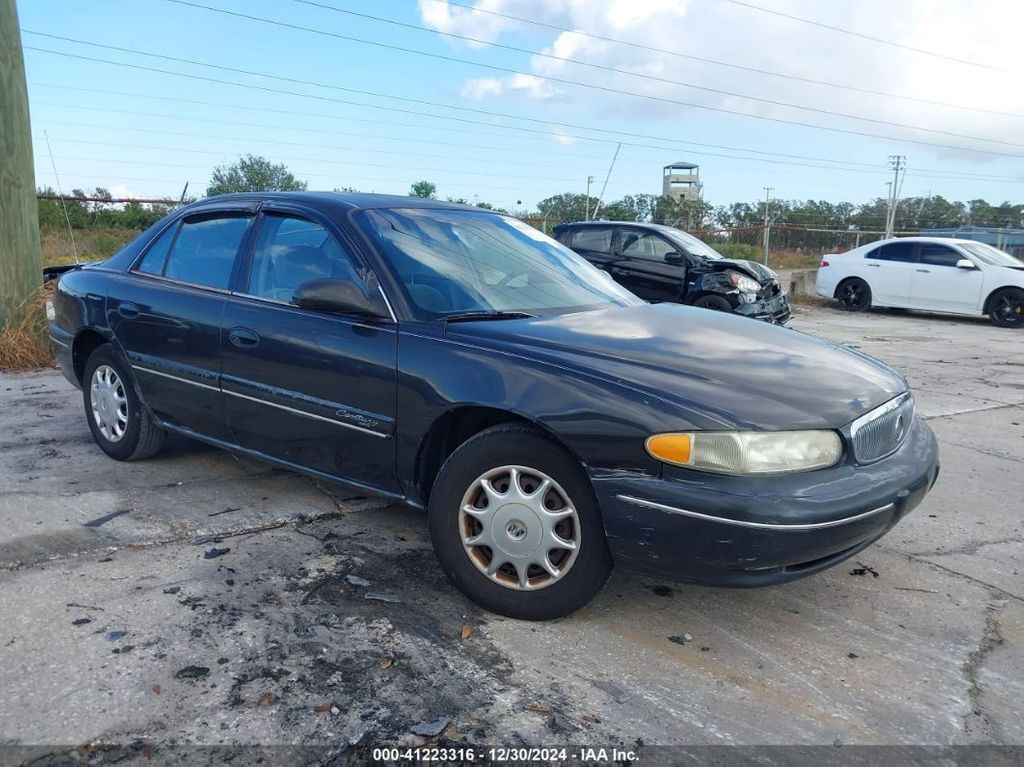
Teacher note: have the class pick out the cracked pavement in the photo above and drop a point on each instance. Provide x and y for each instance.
(329, 621)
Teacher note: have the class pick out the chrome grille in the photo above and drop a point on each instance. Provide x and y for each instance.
(880, 432)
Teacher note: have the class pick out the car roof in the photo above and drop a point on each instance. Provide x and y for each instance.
(335, 201)
(634, 224)
(937, 240)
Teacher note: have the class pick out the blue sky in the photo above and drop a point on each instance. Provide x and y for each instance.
(144, 133)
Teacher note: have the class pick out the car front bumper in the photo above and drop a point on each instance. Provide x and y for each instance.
(775, 309)
(745, 531)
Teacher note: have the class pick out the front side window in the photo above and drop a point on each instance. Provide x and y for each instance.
(597, 239)
(894, 251)
(645, 245)
(291, 251)
(938, 255)
(453, 261)
(205, 249)
(694, 246)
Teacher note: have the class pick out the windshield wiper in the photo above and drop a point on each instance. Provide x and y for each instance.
(485, 315)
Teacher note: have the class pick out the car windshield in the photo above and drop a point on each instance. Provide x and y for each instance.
(991, 256)
(694, 246)
(457, 261)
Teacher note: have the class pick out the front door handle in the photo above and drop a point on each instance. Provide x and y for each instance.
(875, 266)
(925, 271)
(128, 310)
(243, 338)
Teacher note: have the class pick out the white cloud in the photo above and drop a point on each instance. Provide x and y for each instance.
(532, 86)
(564, 138)
(966, 29)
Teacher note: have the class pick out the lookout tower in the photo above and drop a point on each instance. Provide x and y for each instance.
(681, 181)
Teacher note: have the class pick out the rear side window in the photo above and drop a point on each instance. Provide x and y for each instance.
(205, 249)
(938, 255)
(156, 257)
(593, 238)
(894, 251)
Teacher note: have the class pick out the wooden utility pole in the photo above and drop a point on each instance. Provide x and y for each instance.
(20, 265)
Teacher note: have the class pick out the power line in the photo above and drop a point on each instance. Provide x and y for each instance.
(609, 89)
(335, 177)
(936, 173)
(861, 35)
(318, 160)
(869, 169)
(664, 51)
(448, 128)
(235, 139)
(418, 101)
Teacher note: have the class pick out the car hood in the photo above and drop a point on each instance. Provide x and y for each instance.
(759, 272)
(711, 369)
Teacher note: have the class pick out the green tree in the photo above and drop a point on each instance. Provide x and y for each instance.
(566, 207)
(425, 189)
(253, 173)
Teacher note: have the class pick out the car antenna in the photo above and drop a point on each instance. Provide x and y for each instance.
(604, 186)
(63, 202)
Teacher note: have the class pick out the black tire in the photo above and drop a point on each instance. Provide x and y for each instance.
(854, 295)
(524, 446)
(715, 303)
(141, 437)
(1006, 308)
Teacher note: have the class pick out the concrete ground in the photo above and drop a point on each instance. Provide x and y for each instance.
(202, 598)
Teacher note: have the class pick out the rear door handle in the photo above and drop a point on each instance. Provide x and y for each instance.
(243, 338)
(127, 310)
(925, 271)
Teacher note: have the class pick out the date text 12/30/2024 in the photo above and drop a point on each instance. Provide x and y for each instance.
(499, 754)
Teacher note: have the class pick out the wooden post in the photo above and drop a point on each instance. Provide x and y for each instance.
(20, 264)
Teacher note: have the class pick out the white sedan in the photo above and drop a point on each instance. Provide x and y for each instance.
(934, 274)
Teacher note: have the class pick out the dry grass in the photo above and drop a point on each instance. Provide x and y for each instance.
(92, 244)
(793, 259)
(24, 344)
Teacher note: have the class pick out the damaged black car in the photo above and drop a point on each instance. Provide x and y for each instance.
(659, 263)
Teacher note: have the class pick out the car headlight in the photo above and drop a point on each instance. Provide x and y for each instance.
(743, 283)
(748, 452)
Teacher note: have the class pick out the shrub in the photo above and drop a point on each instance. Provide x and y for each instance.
(738, 250)
(23, 344)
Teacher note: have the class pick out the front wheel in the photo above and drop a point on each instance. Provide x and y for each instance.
(121, 426)
(1006, 308)
(854, 295)
(515, 524)
(715, 303)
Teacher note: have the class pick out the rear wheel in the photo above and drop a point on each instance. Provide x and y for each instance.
(1006, 309)
(515, 524)
(854, 295)
(715, 303)
(121, 426)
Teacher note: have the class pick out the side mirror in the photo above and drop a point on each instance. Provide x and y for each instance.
(965, 263)
(673, 258)
(337, 296)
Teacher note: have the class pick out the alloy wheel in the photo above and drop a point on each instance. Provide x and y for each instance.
(852, 295)
(109, 403)
(519, 528)
(1009, 308)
